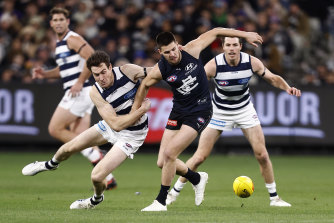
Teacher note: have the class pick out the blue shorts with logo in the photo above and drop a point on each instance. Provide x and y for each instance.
(196, 120)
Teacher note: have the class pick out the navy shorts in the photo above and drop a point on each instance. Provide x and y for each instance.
(197, 121)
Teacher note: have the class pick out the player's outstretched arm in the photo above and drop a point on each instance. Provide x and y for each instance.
(135, 72)
(196, 46)
(107, 112)
(40, 73)
(273, 79)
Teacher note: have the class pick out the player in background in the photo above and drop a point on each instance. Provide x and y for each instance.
(192, 108)
(73, 114)
(113, 95)
(232, 107)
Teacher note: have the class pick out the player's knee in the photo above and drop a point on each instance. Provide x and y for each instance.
(199, 159)
(169, 155)
(96, 176)
(160, 163)
(262, 157)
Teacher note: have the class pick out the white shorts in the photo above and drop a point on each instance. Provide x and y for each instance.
(128, 141)
(246, 118)
(80, 105)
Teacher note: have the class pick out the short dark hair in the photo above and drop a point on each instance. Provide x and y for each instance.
(164, 39)
(57, 10)
(97, 58)
(223, 39)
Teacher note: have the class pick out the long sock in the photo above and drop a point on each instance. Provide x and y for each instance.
(161, 198)
(178, 186)
(193, 177)
(51, 164)
(272, 190)
(91, 154)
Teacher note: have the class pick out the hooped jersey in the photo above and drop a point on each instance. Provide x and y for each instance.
(121, 96)
(232, 88)
(188, 82)
(70, 63)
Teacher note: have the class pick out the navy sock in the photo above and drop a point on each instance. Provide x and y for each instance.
(162, 196)
(192, 176)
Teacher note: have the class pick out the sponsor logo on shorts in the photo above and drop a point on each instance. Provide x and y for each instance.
(127, 146)
(218, 123)
(200, 120)
(255, 117)
(172, 78)
(172, 122)
(101, 126)
(223, 83)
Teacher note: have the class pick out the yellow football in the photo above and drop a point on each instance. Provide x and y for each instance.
(243, 186)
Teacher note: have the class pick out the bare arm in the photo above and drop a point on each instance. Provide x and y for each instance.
(210, 68)
(196, 46)
(154, 76)
(135, 72)
(79, 45)
(107, 112)
(40, 73)
(273, 79)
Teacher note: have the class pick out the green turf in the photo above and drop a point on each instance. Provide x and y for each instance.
(306, 182)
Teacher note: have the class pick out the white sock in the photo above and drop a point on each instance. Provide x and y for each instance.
(109, 177)
(52, 163)
(97, 198)
(92, 154)
(272, 190)
(178, 186)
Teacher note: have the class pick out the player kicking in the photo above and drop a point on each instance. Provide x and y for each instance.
(113, 95)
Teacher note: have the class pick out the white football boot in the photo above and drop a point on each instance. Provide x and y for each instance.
(171, 197)
(85, 203)
(200, 188)
(35, 168)
(278, 202)
(155, 206)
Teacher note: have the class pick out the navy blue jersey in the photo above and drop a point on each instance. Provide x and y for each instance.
(188, 82)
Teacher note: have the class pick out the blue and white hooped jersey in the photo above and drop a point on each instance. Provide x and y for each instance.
(232, 89)
(70, 62)
(121, 96)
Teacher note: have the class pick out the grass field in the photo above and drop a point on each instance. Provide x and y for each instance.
(306, 182)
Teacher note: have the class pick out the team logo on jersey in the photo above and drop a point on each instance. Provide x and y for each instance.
(243, 80)
(172, 122)
(130, 94)
(64, 54)
(200, 120)
(101, 126)
(189, 66)
(172, 78)
(223, 83)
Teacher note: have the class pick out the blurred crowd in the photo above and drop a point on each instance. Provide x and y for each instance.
(298, 35)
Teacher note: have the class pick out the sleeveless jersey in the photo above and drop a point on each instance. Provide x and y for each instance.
(232, 89)
(188, 82)
(69, 62)
(121, 96)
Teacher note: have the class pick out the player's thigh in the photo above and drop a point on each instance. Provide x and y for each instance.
(61, 118)
(208, 138)
(89, 138)
(114, 158)
(166, 138)
(181, 140)
(255, 137)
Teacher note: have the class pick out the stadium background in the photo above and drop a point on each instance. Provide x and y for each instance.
(298, 44)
